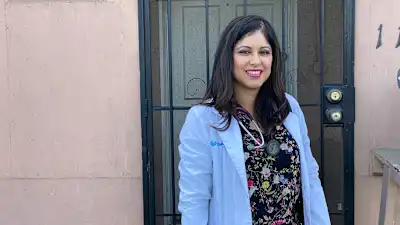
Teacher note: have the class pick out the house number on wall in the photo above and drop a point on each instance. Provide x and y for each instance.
(398, 78)
(379, 43)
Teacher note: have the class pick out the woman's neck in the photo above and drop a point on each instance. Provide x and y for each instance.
(246, 98)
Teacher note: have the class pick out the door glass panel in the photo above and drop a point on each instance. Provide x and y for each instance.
(308, 57)
(159, 49)
(334, 168)
(162, 162)
(333, 46)
(313, 121)
(166, 160)
(188, 44)
(337, 219)
(180, 116)
(186, 57)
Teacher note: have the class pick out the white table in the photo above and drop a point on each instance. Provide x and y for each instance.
(390, 158)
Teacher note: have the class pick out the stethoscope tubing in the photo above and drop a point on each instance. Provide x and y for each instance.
(260, 145)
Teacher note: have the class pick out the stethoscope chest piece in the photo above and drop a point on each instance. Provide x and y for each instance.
(273, 147)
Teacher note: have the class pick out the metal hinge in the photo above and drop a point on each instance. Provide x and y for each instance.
(148, 165)
(146, 108)
(146, 153)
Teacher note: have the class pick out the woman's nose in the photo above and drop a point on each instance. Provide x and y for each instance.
(255, 59)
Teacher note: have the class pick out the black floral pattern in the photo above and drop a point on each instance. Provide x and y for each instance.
(274, 181)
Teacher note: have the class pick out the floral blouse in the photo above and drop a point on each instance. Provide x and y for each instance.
(273, 179)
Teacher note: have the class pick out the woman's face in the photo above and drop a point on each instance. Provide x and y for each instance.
(252, 59)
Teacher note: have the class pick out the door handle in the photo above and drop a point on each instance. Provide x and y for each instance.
(334, 115)
(334, 95)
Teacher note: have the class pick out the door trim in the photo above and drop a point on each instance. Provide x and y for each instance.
(348, 139)
(146, 112)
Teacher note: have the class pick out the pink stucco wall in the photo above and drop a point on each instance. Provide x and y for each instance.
(70, 149)
(377, 102)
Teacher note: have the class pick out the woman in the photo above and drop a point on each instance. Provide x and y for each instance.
(245, 153)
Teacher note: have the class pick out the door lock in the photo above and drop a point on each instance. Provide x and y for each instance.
(338, 104)
(334, 95)
(334, 115)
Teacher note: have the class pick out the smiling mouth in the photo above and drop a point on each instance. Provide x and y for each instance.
(254, 73)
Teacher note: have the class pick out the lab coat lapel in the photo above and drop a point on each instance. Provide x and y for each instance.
(292, 124)
(232, 139)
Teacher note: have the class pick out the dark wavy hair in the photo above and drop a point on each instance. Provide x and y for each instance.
(271, 106)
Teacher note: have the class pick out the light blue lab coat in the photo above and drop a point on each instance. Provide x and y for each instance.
(213, 184)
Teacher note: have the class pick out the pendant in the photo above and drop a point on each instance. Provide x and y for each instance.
(273, 147)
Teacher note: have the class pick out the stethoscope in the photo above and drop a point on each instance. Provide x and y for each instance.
(272, 147)
(241, 110)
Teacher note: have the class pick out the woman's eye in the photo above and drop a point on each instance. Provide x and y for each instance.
(265, 52)
(244, 52)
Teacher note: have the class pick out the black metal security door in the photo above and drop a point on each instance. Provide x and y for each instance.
(177, 42)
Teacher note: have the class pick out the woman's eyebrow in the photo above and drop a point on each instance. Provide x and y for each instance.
(267, 47)
(248, 47)
(242, 46)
